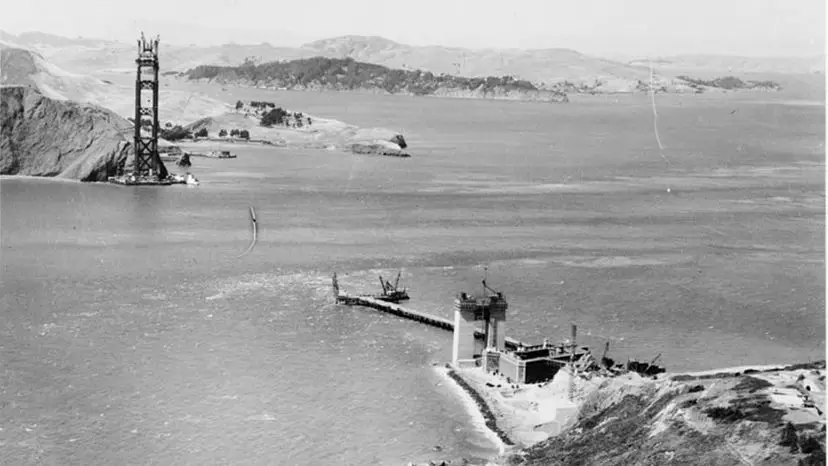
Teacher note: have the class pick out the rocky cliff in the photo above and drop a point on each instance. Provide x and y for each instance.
(40, 136)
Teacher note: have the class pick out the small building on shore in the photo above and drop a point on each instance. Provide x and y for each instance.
(531, 364)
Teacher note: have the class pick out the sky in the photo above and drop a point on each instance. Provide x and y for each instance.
(601, 27)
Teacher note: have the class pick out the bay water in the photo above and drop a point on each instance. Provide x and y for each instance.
(133, 333)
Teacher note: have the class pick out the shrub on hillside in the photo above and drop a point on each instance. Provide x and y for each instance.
(262, 105)
(175, 133)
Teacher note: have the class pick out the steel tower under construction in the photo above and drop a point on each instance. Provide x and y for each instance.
(147, 161)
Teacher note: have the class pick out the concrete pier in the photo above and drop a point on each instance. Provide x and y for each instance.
(412, 314)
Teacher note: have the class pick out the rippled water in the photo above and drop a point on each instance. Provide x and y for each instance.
(132, 334)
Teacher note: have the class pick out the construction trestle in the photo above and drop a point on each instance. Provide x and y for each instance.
(418, 316)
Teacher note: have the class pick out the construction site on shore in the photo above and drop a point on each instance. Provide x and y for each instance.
(484, 317)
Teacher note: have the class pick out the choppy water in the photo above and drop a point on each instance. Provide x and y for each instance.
(132, 335)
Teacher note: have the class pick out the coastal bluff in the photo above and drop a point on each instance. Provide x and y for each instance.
(40, 136)
(761, 416)
(771, 415)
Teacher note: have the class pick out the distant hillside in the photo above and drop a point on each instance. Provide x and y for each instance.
(543, 67)
(91, 56)
(24, 67)
(733, 64)
(557, 69)
(42, 38)
(350, 75)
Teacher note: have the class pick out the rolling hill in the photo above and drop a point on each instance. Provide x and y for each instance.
(545, 68)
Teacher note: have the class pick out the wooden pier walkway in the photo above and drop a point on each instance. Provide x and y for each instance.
(418, 316)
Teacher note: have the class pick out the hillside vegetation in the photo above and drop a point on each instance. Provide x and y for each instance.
(733, 83)
(349, 74)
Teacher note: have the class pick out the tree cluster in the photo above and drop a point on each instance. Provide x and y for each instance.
(731, 82)
(346, 73)
(281, 117)
(236, 133)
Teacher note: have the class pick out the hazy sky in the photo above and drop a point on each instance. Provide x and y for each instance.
(633, 27)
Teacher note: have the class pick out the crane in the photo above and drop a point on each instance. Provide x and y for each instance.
(392, 293)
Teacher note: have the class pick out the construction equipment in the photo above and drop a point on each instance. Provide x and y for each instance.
(646, 368)
(607, 362)
(491, 292)
(392, 293)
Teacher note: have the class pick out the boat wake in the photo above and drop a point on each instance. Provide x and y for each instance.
(255, 234)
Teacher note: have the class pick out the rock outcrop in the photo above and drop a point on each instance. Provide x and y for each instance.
(377, 148)
(40, 136)
(377, 141)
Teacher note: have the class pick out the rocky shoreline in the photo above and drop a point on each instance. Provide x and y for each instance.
(488, 415)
